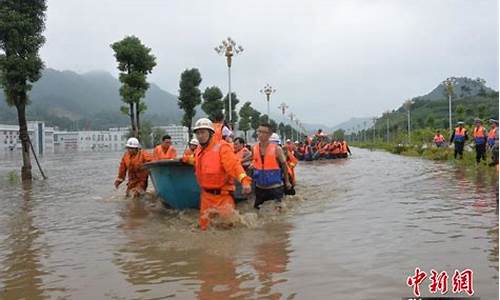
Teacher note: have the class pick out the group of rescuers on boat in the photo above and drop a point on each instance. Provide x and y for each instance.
(218, 161)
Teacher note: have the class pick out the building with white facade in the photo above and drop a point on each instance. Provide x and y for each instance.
(96, 140)
(41, 137)
(45, 140)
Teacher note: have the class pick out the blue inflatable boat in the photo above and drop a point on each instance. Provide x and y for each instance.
(175, 183)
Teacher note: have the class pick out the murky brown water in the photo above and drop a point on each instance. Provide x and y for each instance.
(356, 231)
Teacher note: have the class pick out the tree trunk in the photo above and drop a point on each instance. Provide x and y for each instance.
(138, 124)
(23, 135)
(132, 120)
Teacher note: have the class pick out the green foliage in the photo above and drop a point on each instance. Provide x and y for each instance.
(338, 134)
(189, 95)
(281, 130)
(264, 119)
(460, 111)
(21, 27)
(288, 131)
(158, 133)
(245, 117)
(135, 61)
(12, 177)
(212, 103)
(274, 125)
(430, 121)
(255, 119)
(434, 114)
(234, 102)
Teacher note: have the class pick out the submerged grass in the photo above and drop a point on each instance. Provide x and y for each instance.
(444, 154)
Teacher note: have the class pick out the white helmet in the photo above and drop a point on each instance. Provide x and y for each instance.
(275, 138)
(132, 143)
(203, 123)
(194, 142)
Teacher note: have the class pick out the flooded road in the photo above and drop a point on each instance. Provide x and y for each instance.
(356, 230)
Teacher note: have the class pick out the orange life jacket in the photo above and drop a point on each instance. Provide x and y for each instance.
(492, 136)
(188, 157)
(438, 138)
(267, 172)
(159, 153)
(208, 167)
(344, 148)
(460, 134)
(479, 136)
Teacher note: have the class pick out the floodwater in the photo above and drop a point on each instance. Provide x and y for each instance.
(356, 230)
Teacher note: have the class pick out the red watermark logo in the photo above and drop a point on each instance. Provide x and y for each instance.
(460, 282)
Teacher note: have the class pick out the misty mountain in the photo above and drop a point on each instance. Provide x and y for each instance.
(92, 100)
(462, 87)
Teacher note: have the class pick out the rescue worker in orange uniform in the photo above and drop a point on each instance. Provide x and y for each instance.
(459, 136)
(242, 152)
(291, 162)
(215, 165)
(480, 139)
(492, 133)
(133, 163)
(269, 168)
(165, 150)
(188, 157)
(493, 141)
(438, 139)
(344, 149)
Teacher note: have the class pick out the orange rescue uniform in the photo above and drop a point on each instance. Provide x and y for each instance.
(188, 157)
(215, 165)
(137, 174)
(159, 153)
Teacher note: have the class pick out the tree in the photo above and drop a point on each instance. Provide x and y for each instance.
(158, 133)
(430, 122)
(339, 134)
(135, 62)
(234, 102)
(288, 131)
(189, 96)
(281, 130)
(460, 110)
(274, 125)
(245, 117)
(264, 119)
(21, 27)
(254, 122)
(212, 103)
(481, 111)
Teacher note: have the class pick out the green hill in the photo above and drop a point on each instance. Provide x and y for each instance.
(432, 112)
(70, 101)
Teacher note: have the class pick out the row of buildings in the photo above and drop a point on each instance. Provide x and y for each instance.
(48, 140)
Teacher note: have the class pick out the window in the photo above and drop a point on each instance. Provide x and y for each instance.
(116, 138)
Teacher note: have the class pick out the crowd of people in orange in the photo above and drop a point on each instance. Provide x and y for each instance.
(229, 170)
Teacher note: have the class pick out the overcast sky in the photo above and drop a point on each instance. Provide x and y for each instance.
(328, 60)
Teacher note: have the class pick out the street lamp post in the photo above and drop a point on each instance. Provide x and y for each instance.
(448, 84)
(408, 104)
(283, 107)
(268, 90)
(387, 118)
(374, 128)
(228, 48)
